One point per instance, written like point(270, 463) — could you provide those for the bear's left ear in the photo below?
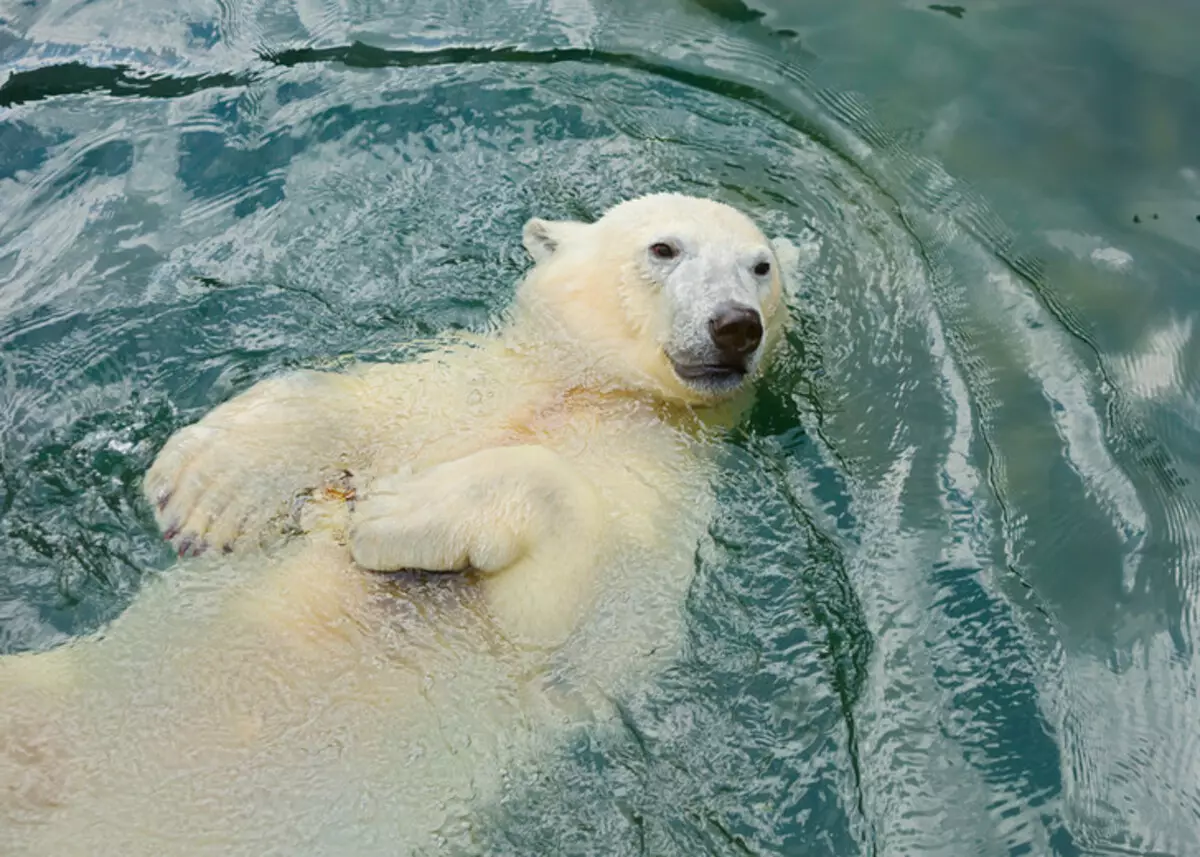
point(542, 238)
point(788, 255)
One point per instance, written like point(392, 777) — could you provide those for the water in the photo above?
point(948, 603)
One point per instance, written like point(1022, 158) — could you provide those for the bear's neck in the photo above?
point(572, 379)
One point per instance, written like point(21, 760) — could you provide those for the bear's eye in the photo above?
point(762, 269)
point(663, 250)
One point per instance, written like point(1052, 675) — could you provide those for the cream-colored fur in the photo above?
point(282, 690)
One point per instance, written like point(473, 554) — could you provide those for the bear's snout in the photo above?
point(736, 330)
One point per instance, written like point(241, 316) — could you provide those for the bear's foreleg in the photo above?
point(520, 516)
point(220, 482)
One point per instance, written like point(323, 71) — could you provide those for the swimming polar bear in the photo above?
point(409, 573)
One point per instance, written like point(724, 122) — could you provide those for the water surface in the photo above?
point(948, 605)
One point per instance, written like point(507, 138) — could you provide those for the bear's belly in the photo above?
point(234, 707)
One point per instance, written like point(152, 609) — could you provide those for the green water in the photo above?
point(949, 603)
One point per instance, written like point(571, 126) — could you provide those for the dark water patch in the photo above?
point(75, 78)
point(987, 668)
point(734, 11)
point(24, 147)
point(952, 11)
point(208, 166)
point(110, 158)
point(66, 529)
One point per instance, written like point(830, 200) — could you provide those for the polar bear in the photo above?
point(404, 573)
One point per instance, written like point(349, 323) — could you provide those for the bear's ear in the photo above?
point(790, 263)
point(542, 238)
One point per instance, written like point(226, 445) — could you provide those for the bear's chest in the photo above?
point(572, 425)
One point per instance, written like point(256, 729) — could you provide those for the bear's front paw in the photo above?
point(442, 519)
point(392, 521)
point(213, 487)
point(195, 490)
point(226, 478)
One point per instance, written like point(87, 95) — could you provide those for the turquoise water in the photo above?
point(948, 605)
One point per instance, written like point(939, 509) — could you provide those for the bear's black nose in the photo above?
point(736, 330)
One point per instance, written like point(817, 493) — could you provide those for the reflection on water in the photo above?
point(948, 604)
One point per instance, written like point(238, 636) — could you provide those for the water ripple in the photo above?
point(949, 605)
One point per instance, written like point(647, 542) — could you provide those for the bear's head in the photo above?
point(670, 294)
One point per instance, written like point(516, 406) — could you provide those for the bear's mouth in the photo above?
point(720, 375)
